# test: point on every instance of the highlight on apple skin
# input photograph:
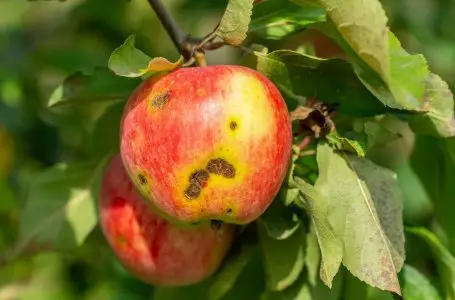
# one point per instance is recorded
(207, 143)
(149, 247)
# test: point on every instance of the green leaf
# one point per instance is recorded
(351, 141)
(233, 26)
(283, 259)
(230, 271)
(333, 81)
(405, 87)
(366, 212)
(7, 198)
(432, 161)
(128, 61)
(408, 75)
(302, 289)
(417, 286)
(438, 117)
(329, 243)
(279, 221)
(451, 148)
(313, 256)
(250, 284)
(60, 210)
(418, 207)
(82, 88)
(195, 291)
(446, 262)
(275, 19)
(105, 136)
(363, 24)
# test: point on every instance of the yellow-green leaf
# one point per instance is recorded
(366, 213)
(234, 24)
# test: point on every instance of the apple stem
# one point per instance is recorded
(200, 59)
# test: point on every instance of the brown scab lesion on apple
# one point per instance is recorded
(199, 178)
(160, 100)
(220, 166)
(233, 125)
(141, 179)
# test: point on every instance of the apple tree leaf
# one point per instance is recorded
(128, 61)
(366, 213)
(445, 260)
(351, 141)
(363, 24)
(233, 26)
(225, 279)
(432, 161)
(60, 210)
(194, 291)
(279, 221)
(82, 88)
(283, 259)
(275, 19)
(405, 87)
(438, 117)
(105, 136)
(330, 244)
(416, 285)
(300, 77)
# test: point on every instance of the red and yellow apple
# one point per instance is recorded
(148, 246)
(207, 143)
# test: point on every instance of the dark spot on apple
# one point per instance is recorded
(142, 179)
(219, 166)
(216, 224)
(121, 240)
(199, 177)
(192, 191)
(233, 125)
(229, 210)
(160, 100)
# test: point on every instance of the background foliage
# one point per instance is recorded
(54, 53)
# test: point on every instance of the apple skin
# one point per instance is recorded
(149, 247)
(207, 143)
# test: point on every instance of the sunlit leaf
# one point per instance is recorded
(366, 212)
(363, 24)
(128, 61)
(60, 210)
(329, 243)
(275, 19)
(438, 111)
(233, 26)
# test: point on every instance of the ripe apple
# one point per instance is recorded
(207, 143)
(148, 246)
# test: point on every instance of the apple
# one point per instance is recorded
(149, 247)
(207, 143)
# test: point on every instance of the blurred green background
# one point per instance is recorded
(42, 42)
